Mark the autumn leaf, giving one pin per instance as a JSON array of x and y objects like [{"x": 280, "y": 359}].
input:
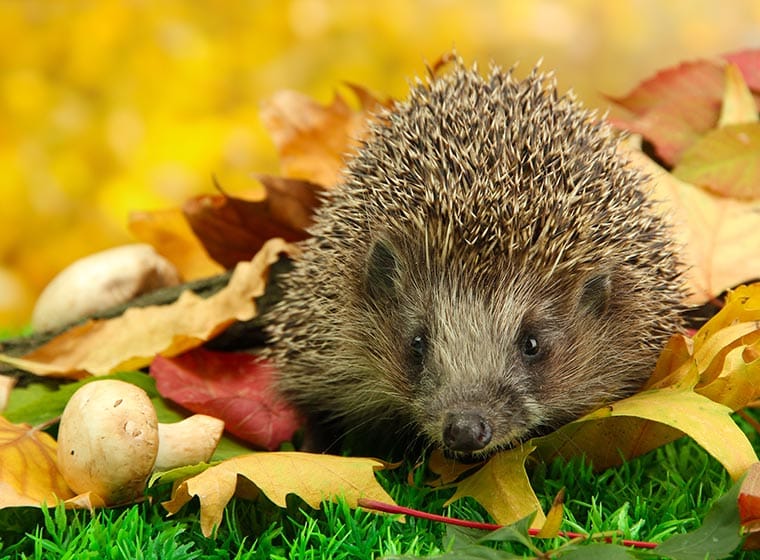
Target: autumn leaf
[
  {"x": 749, "y": 499},
  {"x": 234, "y": 229},
  {"x": 554, "y": 517},
  {"x": 131, "y": 340},
  {"x": 659, "y": 416},
  {"x": 446, "y": 470},
  {"x": 748, "y": 61},
  {"x": 674, "y": 108},
  {"x": 738, "y": 103},
  {"x": 725, "y": 160},
  {"x": 314, "y": 478},
  {"x": 168, "y": 232},
  {"x": 234, "y": 387},
  {"x": 312, "y": 139},
  {"x": 719, "y": 235},
  {"x": 29, "y": 473},
  {"x": 503, "y": 488}
]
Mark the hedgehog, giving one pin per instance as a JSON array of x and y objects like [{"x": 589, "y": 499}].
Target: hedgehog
[{"x": 489, "y": 268}]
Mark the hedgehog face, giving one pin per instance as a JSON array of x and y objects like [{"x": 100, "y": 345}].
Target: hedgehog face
[{"x": 480, "y": 364}]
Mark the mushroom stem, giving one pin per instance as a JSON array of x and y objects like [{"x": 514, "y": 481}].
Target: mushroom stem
[{"x": 191, "y": 441}]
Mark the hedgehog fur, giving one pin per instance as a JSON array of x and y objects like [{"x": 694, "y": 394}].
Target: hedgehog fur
[{"x": 489, "y": 268}]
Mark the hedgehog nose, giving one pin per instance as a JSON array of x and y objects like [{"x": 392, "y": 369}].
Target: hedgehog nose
[{"x": 466, "y": 431}]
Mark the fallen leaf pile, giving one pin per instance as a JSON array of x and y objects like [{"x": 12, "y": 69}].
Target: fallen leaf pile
[{"x": 700, "y": 123}]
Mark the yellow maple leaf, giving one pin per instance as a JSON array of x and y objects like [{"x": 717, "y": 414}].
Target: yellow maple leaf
[
  {"x": 313, "y": 477},
  {"x": 29, "y": 472},
  {"x": 503, "y": 488}
]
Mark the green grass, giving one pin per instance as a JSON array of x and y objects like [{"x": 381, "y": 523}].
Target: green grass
[{"x": 665, "y": 492}]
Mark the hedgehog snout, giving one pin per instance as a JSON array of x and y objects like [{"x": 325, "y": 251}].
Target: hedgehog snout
[{"x": 466, "y": 431}]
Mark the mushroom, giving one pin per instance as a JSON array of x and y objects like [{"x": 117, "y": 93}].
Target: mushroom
[
  {"x": 109, "y": 440},
  {"x": 99, "y": 281}
]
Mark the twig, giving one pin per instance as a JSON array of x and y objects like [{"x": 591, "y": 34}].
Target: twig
[{"x": 391, "y": 508}]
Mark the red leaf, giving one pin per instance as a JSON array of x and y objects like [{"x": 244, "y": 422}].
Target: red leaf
[
  {"x": 676, "y": 106},
  {"x": 235, "y": 387},
  {"x": 749, "y": 499},
  {"x": 689, "y": 80}
]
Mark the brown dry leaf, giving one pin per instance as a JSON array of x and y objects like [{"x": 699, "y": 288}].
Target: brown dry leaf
[
  {"x": 131, "y": 340},
  {"x": 719, "y": 235},
  {"x": 311, "y": 138},
  {"x": 313, "y": 477},
  {"x": 234, "y": 229},
  {"x": 170, "y": 235},
  {"x": 503, "y": 488},
  {"x": 29, "y": 472}
]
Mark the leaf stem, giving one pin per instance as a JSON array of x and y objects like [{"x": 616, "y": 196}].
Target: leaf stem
[{"x": 392, "y": 508}]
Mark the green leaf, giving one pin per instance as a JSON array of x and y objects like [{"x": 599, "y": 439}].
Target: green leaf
[
  {"x": 718, "y": 536},
  {"x": 38, "y": 403},
  {"x": 517, "y": 532}
]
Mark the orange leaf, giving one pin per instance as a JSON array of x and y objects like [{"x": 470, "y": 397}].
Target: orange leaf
[
  {"x": 313, "y": 477},
  {"x": 448, "y": 470},
  {"x": 311, "y": 138},
  {"x": 233, "y": 229},
  {"x": 674, "y": 107},
  {"x": 131, "y": 340},
  {"x": 29, "y": 473},
  {"x": 170, "y": 234}
]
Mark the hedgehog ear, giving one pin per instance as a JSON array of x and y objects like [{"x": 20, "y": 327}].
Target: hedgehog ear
[
  {"x": 595, "y": 296},
  {"x": 381, "y": 275}
]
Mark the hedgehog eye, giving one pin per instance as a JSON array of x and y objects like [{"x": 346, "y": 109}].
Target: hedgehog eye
[
  {"x": 529, "y": 346},
  {"x": 418, "y": 346}
]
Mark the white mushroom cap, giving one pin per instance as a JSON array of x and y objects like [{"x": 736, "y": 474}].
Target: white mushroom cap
[
  {"x": 100, "y": 281},
  {"x": 108, "y": 440}
]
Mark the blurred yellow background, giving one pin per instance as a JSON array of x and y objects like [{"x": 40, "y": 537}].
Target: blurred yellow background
[{"x": 111, "y": 106}]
